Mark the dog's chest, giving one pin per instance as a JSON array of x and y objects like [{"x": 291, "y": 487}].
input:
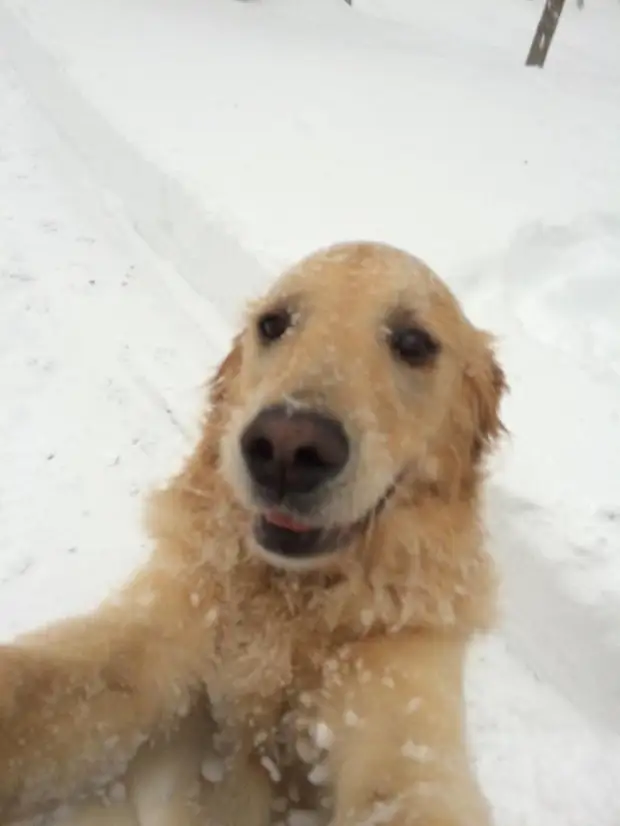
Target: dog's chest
[
  {"x": 259, "y": 663},
  {"x": 266, "y": 688},
  {"x": 269, "y": 653},
  {"x": 286, "y": 735}
]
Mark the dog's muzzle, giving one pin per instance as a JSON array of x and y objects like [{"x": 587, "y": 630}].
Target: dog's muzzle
[{"x": 290, "y": 455}]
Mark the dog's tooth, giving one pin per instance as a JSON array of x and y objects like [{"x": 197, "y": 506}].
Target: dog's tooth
[{"x": 210, "y": 616}]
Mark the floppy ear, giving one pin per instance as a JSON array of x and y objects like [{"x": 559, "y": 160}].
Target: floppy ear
[
  {"x": 177, "y": 511},
  {"x": 220, "y": 385},
  {"x": 485, "y": 384}
]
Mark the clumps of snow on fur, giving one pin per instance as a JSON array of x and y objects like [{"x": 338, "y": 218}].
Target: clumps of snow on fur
[
  {"x": 416, "y": 751},
  {"x": 294, "y": 816},
  {"x": 117, "y": 793},
  {"x": 213, "y": 769},
  {"x": 319, "y": 775},
  {"x": 323, "y": 736},
  {"x": 210, "y": 616},
  {"x": 364, "y": 675},
  {"x": 303, "y": 817},
  {"x": 307, "y": 752},
  {"x": 367, "y": 617},
  {"x": 382, "y": 812},
  {"x": 279, "y": 805},
  {"x": 351, "y": 718},
  {"x": 272, "y": 770}
]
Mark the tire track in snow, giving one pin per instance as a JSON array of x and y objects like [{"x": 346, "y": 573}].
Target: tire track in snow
[
  {"x": 561, "y": 591},
  {"x": 104, "y": 353},
  {"x": 564, "y": 643}
]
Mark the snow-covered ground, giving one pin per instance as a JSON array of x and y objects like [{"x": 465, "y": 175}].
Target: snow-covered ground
[{"x": 158, "y": 159}]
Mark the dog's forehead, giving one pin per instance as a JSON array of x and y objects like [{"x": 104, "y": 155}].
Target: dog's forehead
[{"x": 365, "y": 278}]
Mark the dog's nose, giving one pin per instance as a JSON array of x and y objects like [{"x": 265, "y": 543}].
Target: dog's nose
[{"x": 293, "y": 451}]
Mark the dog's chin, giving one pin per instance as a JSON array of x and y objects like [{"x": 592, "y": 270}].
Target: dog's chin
[
  {"x": 297, "y": 549},
  {"x": 287, "y": 543}
]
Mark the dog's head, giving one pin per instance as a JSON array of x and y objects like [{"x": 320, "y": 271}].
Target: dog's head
[{"x": 357, "y": 377}]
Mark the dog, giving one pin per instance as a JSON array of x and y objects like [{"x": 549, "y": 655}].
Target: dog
[{"x": 296, "y": 642}]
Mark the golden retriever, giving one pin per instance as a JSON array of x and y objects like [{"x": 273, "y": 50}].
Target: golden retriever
[{"x": 296, "y": 642}]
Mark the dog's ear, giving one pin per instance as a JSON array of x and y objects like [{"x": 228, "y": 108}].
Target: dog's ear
[
  {"x": 220, "y": 386},
  {"x": 220, "y": 395},
  {"x": 177, "y": 511},
  {"x": 485, "y": 385}
]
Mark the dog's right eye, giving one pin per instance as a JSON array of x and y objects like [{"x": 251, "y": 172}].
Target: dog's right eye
[
  {"x": 413, "y": 345},
  {"x": 272, "y": 325}
]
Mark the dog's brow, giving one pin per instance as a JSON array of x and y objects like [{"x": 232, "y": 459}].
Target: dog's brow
[
  {"x": 401, "y": 315},
  {"x": 279, "y": 299}
]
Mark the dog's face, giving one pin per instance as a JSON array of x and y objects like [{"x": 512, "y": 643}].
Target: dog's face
[{"x": 355, "y": 377}]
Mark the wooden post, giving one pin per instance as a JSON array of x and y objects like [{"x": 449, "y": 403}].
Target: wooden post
[{"x": 544, "y": 33}]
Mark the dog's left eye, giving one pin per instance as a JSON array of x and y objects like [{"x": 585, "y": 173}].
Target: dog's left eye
[
  {"x": 413, "y": 345},
  {"x": 272, "y": 325}
]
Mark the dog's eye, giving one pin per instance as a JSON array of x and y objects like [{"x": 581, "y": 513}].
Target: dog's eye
[
  {"x": 272, "y": 325},
  {"x": 413, "y": 345}
]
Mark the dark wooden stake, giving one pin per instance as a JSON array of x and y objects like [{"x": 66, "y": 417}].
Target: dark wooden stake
[{"x": 544, "y": 33}]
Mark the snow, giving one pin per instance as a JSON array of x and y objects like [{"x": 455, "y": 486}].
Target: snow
[
  {"x": 272, "y": 770},
  {"x": 323, "y": 735},
  {"x": 303, "y": 817},
  {"x": 213, "y": 769},
  {"x": 159, "y": 160},
  {"x": 100, "y": 368}
]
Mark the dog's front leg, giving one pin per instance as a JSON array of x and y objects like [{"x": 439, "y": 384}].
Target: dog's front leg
[
  {"x": 395, "y": 718},
  {"x": 78, "y": 699}
]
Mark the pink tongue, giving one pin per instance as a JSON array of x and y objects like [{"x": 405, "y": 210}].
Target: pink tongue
[{"x": 282, "y": 521}]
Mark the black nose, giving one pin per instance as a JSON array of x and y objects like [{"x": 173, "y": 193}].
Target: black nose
[{"x": 293, "y": 451}]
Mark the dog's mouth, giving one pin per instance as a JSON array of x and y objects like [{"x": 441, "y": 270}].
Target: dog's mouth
[{"x": 285, "y": 536}]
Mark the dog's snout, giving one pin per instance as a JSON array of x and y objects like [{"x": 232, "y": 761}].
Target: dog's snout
[{"x": 293, "y": 452}]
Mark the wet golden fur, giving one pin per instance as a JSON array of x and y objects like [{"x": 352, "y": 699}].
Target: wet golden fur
[{"x": 353, "y": 668}]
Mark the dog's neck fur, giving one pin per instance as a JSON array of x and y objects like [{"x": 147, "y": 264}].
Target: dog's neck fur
[{"x": 412, "y": 567}]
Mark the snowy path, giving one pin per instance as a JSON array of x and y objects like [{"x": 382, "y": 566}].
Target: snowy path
[{"x": 102, "y": 355}]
